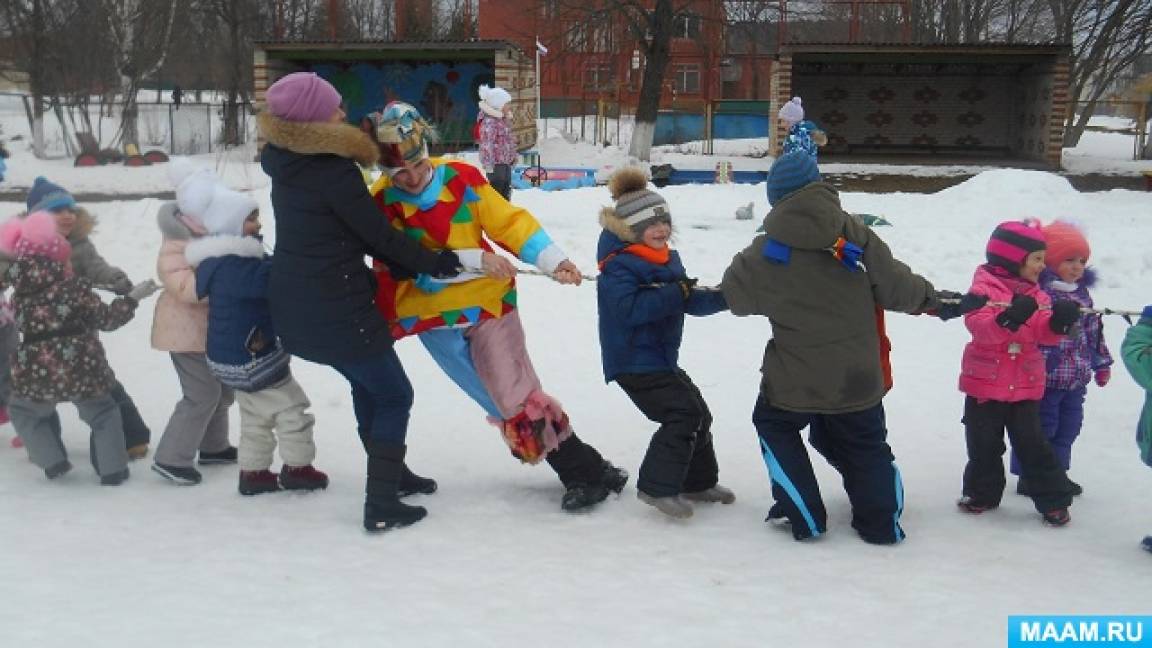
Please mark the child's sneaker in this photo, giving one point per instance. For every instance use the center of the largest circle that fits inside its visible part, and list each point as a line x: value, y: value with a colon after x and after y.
x: 114, y: 479
x: 254, y: 482
x: 1147, y: 543
x: 717, y: 493
x: 1057, y: 517
x: 670, y: 505
x: 226, y: 456
x: 138, y: 452
x: 969, y: 505
x: 179, y: 475
x: 57, y: 469
x: 302, y: 478
x: 17, y: 442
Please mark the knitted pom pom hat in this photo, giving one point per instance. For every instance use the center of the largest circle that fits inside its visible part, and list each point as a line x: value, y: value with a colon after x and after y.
x: 1065, y: 241
x: 1011, y: 243
x: 636, y: 208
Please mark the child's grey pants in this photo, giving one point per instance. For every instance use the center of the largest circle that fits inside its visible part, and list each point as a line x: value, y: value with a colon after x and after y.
x: 200, y: 420
x: 33, y: 422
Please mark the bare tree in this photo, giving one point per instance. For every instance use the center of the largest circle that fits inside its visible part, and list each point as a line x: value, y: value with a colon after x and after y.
x: 650, y: 24
x: 34, y: 27
x: 140, y: 31
x: 1106, y: 38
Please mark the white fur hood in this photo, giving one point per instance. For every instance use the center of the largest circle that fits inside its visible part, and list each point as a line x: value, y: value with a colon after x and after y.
x: 223, y: 245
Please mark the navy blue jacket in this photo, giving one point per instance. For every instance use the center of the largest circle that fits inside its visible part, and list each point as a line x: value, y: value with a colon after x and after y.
x: 232, y: 272
x: 642, y: 309
x: 322, y: 292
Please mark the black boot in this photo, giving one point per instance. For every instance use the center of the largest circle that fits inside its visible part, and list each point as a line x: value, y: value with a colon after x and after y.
x: 383, y: 509
x: 412, y: 484
x: 586, y: 476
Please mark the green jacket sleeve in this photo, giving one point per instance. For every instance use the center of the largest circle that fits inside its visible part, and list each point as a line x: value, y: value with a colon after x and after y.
x: 894, y: 286
x: 1137, y: 353
x: 743, y: 285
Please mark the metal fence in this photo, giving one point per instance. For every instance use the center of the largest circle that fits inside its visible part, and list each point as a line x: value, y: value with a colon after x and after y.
x: 191, y: 128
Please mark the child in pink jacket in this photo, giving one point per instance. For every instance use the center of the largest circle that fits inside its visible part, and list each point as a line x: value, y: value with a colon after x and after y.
x: 197, y: 431
x: 1002, y: 373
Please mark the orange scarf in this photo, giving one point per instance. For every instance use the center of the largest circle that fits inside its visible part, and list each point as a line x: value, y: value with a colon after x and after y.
x: 651, y: 255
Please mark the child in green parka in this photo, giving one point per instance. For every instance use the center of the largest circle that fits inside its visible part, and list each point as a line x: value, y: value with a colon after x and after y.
x: 1137, y: 354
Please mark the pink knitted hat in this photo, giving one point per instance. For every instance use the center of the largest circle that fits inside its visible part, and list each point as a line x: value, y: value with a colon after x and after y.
x: 302, y: 97
x: 1012, y: 242
x: 35, y: 235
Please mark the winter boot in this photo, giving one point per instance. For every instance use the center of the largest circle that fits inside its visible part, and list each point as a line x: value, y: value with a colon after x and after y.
x: 581, y: 495
x: 57, y: 469
x: 114, y: 479
x: 383, y: 509
x: 226, y: 456
x: 671, y: 505
x: 138, y: 452
x: 302, y: 478
x: 969, y: 505
x: 715, y: 494
x: 412, y: 484
x: 179, y: 475
x: 1146, y: 544
x: 776, y: 516
x: 1057, y: 517
x: 255, y: 482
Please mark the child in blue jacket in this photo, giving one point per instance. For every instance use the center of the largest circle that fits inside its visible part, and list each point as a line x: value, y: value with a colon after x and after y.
x: 643, y: 293
x: 243, y: 350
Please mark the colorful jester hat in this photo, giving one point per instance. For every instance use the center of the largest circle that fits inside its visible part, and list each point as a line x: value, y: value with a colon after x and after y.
x: 403, y: 134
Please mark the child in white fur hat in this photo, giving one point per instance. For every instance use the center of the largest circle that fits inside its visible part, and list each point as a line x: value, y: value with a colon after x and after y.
x: 803, y: 135
x: 199, y: 423
x: 497, y: 145
x: 243, y: 350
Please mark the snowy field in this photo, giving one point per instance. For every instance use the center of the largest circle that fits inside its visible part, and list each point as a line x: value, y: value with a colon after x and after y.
x: 497, y: 563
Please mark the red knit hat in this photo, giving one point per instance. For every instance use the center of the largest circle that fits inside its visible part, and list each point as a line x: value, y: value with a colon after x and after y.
x: 1065, y: 241
x: 1012, y: 242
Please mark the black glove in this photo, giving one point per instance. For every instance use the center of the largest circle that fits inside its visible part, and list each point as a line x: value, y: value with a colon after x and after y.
x: 398, y: 272
x: 953, y: 304
x: 686, y: 286
x: 447, y: 265
x: 1065, y: 314
x: 1013, y: 317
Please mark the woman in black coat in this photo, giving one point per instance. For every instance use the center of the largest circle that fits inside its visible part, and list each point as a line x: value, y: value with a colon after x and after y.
x: 321, y: 290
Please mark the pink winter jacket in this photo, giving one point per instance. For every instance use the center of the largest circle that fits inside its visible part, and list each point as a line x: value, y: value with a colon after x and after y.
x: 180, y: 323
x: 998, y: 364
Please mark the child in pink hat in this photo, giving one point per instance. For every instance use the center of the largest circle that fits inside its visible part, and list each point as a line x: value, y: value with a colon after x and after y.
x: 60, y: 357
x: 1002, y: 374
x: 1079, y: 358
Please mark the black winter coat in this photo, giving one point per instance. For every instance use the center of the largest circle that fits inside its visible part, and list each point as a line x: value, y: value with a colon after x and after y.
x: 321, y: 289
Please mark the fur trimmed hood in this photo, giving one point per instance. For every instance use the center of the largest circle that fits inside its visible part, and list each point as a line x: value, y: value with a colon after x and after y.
x: 222, y: 245
x: 317, y: 138
x: 85, y: 223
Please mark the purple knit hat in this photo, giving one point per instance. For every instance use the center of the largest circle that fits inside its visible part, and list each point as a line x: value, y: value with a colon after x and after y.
x: 1012, y: 242
x: 302, y: 97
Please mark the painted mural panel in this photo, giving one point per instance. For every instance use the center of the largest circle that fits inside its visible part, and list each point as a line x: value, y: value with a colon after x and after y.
x: 444, y: 92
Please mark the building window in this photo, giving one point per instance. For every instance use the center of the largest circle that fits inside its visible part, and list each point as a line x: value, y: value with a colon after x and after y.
x: 549, y: 9
x: 686, y: 25
x: 687, y: 79
x: 598, y: 76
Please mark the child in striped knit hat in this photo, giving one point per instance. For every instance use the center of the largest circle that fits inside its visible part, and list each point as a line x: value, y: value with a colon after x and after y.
x: 1002, y: 374
x: 1080, y: 358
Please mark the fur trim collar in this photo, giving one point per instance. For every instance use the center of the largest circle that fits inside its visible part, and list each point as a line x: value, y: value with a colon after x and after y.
x: 316, y: 138
x: 616, y: 225
x: 490, y: 111
x: 85, y: 223
x: 223, y: 245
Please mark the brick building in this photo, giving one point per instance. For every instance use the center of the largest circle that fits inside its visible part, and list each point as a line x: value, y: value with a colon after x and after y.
x: 590, y: 59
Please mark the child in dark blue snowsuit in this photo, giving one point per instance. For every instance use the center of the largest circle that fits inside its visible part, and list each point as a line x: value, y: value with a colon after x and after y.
x: 643, y: 293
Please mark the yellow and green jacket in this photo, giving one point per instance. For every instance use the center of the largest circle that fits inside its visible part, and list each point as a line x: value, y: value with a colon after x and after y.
x: 460, y: 211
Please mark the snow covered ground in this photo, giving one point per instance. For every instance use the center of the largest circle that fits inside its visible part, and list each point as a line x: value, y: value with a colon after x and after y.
x: 496, y: 563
